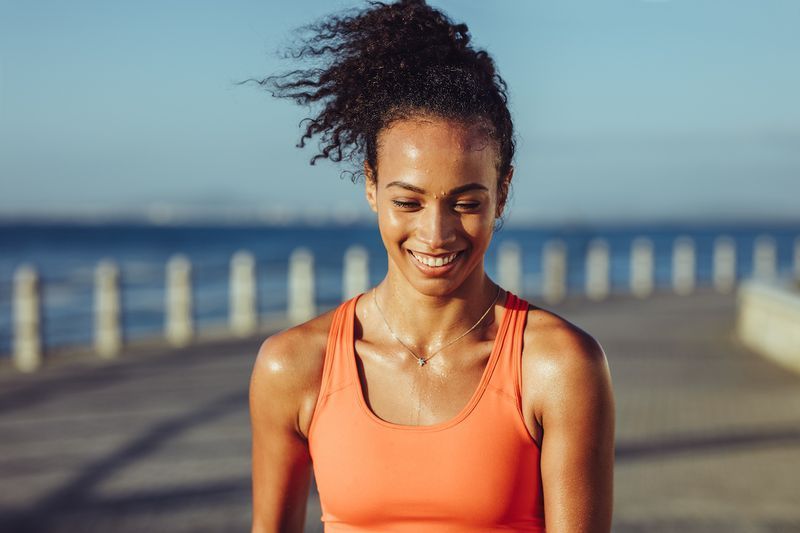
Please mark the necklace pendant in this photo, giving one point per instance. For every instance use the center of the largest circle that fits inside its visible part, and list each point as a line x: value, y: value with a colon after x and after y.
x: 421, y: 361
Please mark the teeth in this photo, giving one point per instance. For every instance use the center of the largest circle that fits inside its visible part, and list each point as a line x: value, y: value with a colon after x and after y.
x: 434, y: 261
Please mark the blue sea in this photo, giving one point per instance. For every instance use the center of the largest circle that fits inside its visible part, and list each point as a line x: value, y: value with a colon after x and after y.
x: 65, y: 255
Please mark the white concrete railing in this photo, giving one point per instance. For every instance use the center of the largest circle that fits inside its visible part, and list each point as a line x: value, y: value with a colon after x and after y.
x: 27, y: 319
x: 642, y: 276
x: 509, y: 267
x: 598, y: 270
x: 724, y: 269
x: 768, y: 321
x: 243, y: 320
x: 301, y: 286
x: 764, y: 258
x: 355, y: 275
x: 683, y: 265
x: 243, y: 294
x: 179, y: 322
x: 107, y: 311
x: 554, y: 268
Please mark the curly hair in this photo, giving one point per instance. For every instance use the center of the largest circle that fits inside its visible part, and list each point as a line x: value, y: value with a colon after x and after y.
x: 386, y: 62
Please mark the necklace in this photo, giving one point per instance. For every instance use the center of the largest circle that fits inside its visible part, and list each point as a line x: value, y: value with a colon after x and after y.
x: 422, y: 360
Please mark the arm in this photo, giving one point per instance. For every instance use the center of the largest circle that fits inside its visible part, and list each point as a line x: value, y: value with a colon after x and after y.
x: 281, y: 462
x: 577, y: 418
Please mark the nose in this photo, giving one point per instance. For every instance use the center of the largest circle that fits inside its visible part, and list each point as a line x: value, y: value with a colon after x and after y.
x: 437, y: 227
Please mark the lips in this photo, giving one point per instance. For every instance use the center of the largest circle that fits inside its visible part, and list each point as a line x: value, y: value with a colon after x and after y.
x: 434, y: 261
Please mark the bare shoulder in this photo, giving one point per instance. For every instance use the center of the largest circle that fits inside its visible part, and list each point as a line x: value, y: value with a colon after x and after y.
x: 561, y: 362
x: 287, y: 372
x: 553, y: 340
x: 291, y: 354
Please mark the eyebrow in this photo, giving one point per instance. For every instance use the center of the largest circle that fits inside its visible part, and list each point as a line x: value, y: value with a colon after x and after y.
x: 457, y: 190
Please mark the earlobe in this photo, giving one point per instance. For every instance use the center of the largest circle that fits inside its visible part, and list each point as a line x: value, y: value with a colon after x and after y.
x: 502, y: 196
x: 369, y: 192
x: 370, y: 187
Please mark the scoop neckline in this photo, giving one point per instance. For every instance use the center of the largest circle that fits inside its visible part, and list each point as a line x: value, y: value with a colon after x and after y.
x: 471, y: 403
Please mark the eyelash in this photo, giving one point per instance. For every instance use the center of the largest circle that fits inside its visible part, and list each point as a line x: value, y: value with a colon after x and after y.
x: 468, y: 206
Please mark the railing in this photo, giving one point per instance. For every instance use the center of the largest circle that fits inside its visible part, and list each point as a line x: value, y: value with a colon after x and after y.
x: 179, y: 309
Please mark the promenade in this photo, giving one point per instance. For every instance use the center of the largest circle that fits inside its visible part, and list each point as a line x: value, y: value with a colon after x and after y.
x: 708, y: 433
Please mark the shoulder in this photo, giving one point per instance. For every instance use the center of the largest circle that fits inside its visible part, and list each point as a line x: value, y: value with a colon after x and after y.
x: 555, y: 341
x: 287, y: 372
x: 290, y: 353
x: 563, y: 365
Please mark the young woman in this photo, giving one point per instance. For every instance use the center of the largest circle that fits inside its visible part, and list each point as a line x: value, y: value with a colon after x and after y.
x: 436, y: 401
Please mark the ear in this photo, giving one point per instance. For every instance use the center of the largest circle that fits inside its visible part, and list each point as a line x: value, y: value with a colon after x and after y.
x: 502, y: 191
x: 371, y: 187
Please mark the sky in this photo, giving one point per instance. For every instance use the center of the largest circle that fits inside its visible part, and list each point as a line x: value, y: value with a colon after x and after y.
x: 625, y: 110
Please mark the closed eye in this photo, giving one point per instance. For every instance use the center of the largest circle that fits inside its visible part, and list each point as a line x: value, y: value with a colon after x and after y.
x: 405, y: 205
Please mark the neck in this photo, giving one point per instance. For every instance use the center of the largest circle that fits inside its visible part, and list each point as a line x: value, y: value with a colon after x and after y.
x: 426, y: 322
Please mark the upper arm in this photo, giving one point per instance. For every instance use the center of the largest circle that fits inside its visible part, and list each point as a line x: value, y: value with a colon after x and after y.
x: 577, y: 418
x: 281, y: 462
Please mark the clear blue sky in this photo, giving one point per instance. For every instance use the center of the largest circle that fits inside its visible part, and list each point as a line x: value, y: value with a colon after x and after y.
x: 625, y: 110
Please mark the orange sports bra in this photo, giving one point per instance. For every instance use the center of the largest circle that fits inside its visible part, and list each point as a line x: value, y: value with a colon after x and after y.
x: 478, y: 471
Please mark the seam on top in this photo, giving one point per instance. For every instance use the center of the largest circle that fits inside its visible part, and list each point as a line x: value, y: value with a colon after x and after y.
x: 337, y: 389
x: 334, y: 333
x: 505, y: 396
x: 321, y: 406
x: 517, y: 349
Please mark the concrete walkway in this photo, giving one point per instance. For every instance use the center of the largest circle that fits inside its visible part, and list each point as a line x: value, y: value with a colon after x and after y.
x: 708, y: 434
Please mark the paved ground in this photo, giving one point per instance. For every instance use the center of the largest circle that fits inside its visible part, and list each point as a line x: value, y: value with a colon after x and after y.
x: 708, y: 434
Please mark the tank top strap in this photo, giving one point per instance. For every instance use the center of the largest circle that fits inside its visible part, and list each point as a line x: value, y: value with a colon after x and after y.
x: 336, y: 371
x: 507, y: 375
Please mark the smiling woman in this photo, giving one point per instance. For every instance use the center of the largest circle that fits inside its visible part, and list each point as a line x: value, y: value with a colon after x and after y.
x: 436, y: 200
x: 511, y: 425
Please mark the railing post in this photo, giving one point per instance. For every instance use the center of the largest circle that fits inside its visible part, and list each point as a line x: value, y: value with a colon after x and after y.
x: 597, y: 270
x: 179, y: 322
x: 724, y: 264
x: 554, y: 267
x: 683, y: 265
x: 243, y: 300
x: 764, y: 258
x: 642, y: 267
x: 107, y: 310
x: 355, y: 277
x: 509, y: 267
x: 301, y: 286
x: 27, y: 319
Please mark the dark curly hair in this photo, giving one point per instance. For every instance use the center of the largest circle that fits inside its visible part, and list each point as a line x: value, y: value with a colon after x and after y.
x: 386, y: 62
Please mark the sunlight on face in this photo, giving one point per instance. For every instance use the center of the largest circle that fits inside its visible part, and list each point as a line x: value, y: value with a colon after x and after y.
x: 435, y: 193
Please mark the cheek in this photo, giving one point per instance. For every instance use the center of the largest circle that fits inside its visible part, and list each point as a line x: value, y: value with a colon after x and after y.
x: 478, y: 232
x: 393, y: 227
x: 480, y: 226
x: 391, y: 221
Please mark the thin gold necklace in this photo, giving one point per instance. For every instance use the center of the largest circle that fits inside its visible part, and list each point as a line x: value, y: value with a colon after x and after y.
x: 422, y: 360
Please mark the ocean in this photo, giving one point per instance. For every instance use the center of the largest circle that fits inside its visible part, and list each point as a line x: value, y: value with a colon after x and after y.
x: 65, y: 256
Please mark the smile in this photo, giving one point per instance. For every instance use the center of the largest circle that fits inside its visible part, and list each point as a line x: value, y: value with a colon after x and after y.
x: 434, y: 262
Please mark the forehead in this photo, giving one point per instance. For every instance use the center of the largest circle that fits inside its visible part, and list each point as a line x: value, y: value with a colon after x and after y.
x: 427, y: 147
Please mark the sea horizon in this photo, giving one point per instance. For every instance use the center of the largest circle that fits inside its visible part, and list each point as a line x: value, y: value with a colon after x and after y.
x: 311, y: 220
x: 66, y: 253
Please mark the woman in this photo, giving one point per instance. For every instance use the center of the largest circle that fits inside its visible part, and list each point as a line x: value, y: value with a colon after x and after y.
x: 436, y: 401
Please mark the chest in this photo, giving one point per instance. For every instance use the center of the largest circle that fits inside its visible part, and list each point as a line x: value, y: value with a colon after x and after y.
x: 399, y: 391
